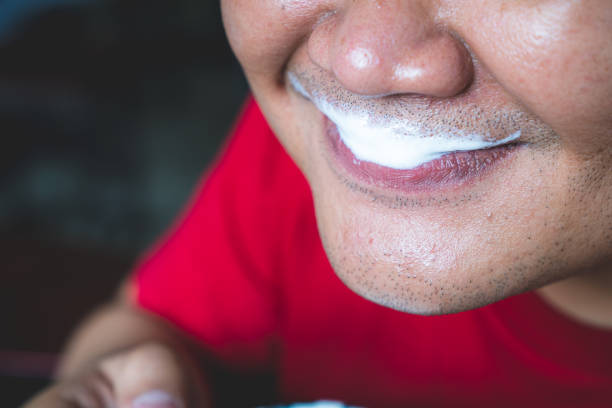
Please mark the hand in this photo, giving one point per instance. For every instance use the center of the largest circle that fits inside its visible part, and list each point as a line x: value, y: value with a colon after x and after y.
x: 146, y: 376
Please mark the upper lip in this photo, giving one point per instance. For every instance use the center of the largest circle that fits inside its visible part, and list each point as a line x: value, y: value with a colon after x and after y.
x: 433, y: 116
x: 406, y: 130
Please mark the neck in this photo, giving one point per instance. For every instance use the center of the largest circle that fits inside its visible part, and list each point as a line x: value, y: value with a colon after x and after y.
x: 586, y: 298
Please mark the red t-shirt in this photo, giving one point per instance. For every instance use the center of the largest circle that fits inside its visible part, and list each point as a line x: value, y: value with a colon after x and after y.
x: 244, y: 272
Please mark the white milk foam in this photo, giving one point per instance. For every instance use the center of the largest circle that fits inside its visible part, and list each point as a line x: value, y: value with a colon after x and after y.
x: 396, y: 144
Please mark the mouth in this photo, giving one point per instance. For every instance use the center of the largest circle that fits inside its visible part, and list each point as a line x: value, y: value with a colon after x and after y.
x: 400, y: 150
x: 446, y: 170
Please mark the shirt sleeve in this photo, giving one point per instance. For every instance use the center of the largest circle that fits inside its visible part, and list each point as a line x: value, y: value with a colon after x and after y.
x: 215, y: 274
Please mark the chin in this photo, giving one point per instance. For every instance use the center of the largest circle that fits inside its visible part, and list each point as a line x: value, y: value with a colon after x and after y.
x: 422, y: 291
x: 419, y: 267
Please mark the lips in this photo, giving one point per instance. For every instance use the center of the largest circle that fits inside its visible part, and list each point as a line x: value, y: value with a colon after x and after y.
x: 452, y: 169
x: 411, y: 143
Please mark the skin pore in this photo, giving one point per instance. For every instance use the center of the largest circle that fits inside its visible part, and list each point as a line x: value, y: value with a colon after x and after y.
x: 541, y: 218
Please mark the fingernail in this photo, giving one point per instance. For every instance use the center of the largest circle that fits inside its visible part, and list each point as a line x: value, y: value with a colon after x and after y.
x: 155, y: 399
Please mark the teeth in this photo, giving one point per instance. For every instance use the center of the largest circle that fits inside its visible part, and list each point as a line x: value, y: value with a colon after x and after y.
x: 395, y: 144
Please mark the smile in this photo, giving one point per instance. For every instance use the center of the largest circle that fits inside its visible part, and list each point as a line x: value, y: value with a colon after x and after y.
x: 405, y: 155
x: 402, y: 146
x: 445, y: 170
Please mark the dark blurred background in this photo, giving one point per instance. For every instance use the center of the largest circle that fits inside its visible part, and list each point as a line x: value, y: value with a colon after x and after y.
x: 109, y: 112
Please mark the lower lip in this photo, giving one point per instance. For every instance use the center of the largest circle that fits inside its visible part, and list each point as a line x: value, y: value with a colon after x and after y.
x: 451, y: 170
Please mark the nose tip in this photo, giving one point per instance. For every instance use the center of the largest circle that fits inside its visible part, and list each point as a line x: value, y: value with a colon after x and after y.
x: 439, y: 68
x: 382, y: 50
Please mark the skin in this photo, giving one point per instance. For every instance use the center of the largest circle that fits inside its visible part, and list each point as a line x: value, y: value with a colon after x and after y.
x: 541, y: 220
x: 542, y: 217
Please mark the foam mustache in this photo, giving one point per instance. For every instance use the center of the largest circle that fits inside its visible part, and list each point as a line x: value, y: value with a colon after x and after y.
x: 397, y: 143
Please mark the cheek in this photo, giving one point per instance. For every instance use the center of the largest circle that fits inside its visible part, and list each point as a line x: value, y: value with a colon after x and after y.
x: 265, y: 33
x: 555, y: 57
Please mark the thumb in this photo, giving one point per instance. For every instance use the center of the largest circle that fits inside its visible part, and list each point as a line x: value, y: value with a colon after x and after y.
x: 148, y: 376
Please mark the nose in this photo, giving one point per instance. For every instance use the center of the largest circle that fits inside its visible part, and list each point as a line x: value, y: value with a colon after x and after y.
x: 383, y: 47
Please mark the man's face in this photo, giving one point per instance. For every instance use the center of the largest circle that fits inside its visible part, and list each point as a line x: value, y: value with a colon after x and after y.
x: 458, y: 151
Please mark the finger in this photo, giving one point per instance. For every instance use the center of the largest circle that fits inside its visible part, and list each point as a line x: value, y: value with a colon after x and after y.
x: 149, y: 376
x: 91, y: 389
